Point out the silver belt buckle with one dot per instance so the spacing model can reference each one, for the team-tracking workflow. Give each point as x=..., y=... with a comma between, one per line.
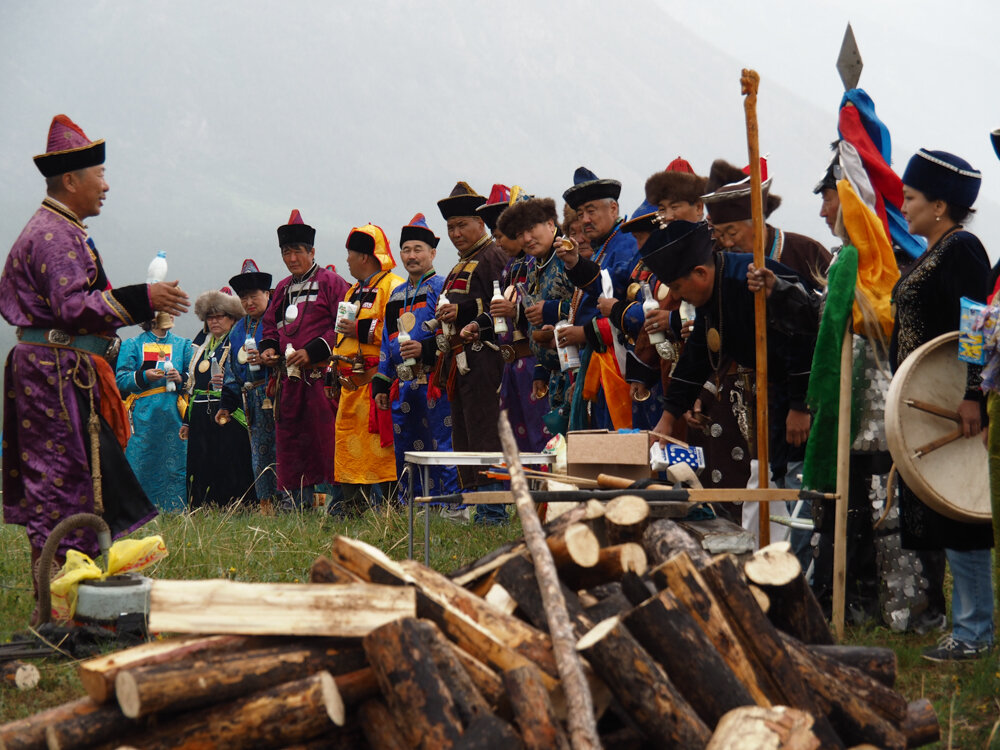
x=59, y=338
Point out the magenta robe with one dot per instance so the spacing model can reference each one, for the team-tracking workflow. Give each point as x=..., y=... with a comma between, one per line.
x=304, y=417
x=54, y=279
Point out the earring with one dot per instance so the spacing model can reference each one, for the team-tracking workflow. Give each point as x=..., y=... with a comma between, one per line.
x=937, y=218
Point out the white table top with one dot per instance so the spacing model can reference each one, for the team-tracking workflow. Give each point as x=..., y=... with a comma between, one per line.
x=470, y=458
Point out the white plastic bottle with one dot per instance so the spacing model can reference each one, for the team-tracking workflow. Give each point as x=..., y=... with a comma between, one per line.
x=649, y=304
x=157, y=270
x=251, y=346
x=216, y=369
x=688, y=312
x=446, y=328
x=169, y=385
x=402, y=338
x=499, y=322
x=292, y=370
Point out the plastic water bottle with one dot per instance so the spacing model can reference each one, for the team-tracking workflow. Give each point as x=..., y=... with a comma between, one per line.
x=688, y=312
x=292, y=370
x=499, y=322
x=649, y=304
x=170, y=385
x=446, y=328
x=251, y=346
x=216, y=368
x=402, y=338
x=157, y=270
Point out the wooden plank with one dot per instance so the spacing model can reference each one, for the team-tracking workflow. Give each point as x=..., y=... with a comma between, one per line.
x=218, y=606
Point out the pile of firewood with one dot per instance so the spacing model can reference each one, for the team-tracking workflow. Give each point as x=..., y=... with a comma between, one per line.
x=679, y=649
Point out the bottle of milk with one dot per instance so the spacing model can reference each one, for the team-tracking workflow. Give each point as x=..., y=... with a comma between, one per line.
x=649, y=304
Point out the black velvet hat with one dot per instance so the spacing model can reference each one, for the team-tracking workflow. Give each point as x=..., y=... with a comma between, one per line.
x=943, y=176
x=296, y=231
x=995, y=138
x=417, y=229
x=495, y=205
x=588, y=187
x=673, y=251
x=250, y=279
x=643, y=219
x=728, y=193
x=462, y=201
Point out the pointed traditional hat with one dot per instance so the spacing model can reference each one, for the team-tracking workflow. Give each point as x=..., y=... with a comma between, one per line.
x=250, y=279
x=371, y=240
x=417, y=229
x=588, y=187
x=462, y=201
x=296, y=231
x=68, y=149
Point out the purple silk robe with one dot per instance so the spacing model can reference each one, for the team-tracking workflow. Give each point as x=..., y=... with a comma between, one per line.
x=304, y=417
x=54, y=279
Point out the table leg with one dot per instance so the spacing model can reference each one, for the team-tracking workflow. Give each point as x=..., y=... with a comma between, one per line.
x=425, y=476
x=409, y=537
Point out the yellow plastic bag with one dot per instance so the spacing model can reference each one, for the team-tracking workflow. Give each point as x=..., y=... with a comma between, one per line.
x=125, y=556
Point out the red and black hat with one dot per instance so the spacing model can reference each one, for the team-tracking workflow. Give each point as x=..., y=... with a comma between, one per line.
x=417, y=229
x=68, y=149
x=296, y=231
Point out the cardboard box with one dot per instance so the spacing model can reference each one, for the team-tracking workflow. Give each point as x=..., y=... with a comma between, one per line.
x=621, y=454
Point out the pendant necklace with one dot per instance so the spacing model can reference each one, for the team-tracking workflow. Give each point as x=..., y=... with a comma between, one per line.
x=292, y=311
x=713, y=336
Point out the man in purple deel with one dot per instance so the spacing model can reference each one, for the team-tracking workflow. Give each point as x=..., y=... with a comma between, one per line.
x=62, y=411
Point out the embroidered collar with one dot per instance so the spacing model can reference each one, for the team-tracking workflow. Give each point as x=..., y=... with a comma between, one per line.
x=60, y=209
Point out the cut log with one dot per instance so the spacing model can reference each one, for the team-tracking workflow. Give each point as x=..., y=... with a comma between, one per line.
x=190, y=683
x=610, y=606
x=636, y=589
x=612, y=563
x=325, y=570
x=853, y=719
x=517, y=576
x=875, y=661
x=367, y=562
x=469, y=702
x=885, y=701
x=921, y=725
x=487, y=682
x=414, y=689
x=672, y=637
x=489, y=733
x=500, y=598
x=469, y=574
x=19, y=674
x=87, y=724
x=29, y=733
x=686, y=584
x=625, y=518
x=219, y=606
x=98, y=674
x=793, y=606
x=665, y=538
x=533, y=712
x=719, y=536
x=441, y=600
x=283, y=715
x=642, y=687
x=576, y=546
x=379, y=726
x=356, y=687
x=760, y=728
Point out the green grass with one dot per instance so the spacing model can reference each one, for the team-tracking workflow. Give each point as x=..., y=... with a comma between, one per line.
x=251, y=547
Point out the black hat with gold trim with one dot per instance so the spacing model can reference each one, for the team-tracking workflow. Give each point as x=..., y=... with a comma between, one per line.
x=68, y=149
x=588, y=187
x=462, y=201
x=673, y=251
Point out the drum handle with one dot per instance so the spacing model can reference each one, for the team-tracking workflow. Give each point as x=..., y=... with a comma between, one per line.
x=890, y=491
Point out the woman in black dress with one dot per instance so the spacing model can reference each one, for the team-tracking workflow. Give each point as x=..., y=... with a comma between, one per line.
x=938, y=192
x=219, y=466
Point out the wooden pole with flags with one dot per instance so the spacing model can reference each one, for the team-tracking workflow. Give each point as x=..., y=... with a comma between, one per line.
x=749, y=82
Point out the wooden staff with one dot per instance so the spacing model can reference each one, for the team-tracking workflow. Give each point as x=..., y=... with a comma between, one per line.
x=579, y=705
x=843, y=483
x=749, y=81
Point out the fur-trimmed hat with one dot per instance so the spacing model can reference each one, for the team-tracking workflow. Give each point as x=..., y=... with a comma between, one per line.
x=588, y=187
x=417, y=229
x=727, y=195
x=462, y=201
x=943, y=176
x=371, y=240
x=296, y=231
x=214, y=302
x=526, y=214
x=68, y=149
x=669, y=185
x=570, y=215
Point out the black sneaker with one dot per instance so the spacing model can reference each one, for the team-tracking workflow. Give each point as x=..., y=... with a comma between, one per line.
x=949, y=649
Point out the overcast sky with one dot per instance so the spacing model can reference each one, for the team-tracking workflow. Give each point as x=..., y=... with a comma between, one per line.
x=220, y=117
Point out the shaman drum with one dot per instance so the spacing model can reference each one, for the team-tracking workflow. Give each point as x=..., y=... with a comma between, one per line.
x=951, y=478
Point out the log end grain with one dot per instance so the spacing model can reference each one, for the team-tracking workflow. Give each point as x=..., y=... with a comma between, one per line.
x=127, y=693
x=582, y=545
x=332, y=699
x=20, y=674
x=772, y=566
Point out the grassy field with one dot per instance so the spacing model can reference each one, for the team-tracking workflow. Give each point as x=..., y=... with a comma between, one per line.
x=247, y=547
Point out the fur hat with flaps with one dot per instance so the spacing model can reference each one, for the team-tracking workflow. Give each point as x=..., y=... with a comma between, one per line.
x=677, y=182
x=727, y=195
x=371, y=240
x=215, y=302
x=526, y=214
